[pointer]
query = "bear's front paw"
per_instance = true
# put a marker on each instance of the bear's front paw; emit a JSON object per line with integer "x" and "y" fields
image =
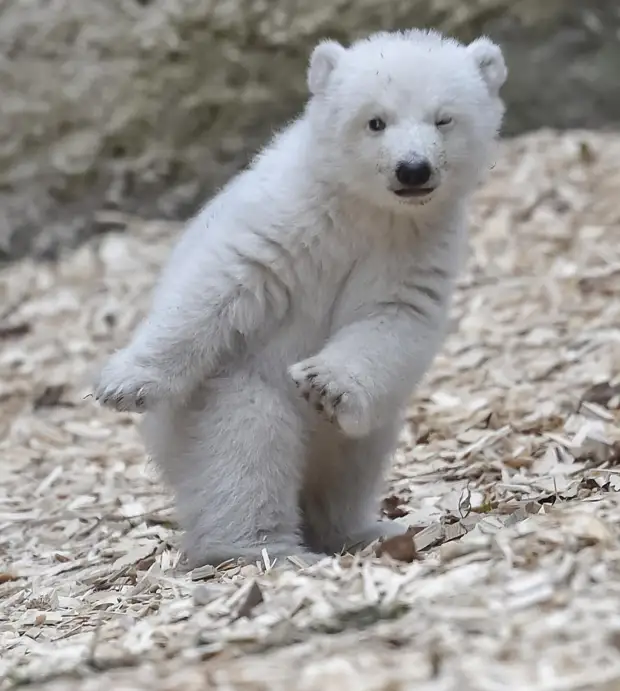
{"x": 334, "y": 394}
{"x": 128, "y": 386}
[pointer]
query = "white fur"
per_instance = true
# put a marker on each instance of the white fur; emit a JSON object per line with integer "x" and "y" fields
{"x": 306, "y": 300}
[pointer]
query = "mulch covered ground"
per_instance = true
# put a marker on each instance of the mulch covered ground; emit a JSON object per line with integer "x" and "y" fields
{"x": 508, "y": 473}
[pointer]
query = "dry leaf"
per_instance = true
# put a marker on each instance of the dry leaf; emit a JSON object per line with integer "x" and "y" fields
{"x": 7, "y": 576}
{"x": 391, "y": 507}
{"x": 400, "y": 548}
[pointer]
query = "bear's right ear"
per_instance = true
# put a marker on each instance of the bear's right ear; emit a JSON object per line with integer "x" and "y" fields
{"x": 322, "y": 62}
{"x": 490, "y": 61}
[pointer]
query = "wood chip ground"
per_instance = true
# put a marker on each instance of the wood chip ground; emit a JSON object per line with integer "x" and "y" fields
{"x": 508, "y": 474}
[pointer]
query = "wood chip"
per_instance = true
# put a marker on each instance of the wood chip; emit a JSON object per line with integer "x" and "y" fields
{"x": 253, "y": 598}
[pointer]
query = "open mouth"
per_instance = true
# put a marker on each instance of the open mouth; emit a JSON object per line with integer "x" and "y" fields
{"x": 414, "y": 191}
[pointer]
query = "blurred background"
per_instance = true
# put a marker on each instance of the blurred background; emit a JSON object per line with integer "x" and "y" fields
{"x": 145, "y": 106}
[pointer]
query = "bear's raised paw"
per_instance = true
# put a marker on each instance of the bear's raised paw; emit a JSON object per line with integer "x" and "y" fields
{"x": 334, "y": 394}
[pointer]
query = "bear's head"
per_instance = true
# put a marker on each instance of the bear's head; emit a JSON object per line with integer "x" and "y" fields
{"x": 404, "y": 119}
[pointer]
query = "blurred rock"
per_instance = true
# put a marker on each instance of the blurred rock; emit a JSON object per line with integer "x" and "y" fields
{"x": 148, "y": 105}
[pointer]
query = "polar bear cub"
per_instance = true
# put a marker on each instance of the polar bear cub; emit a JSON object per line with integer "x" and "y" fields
{"x": 306, "y": 300}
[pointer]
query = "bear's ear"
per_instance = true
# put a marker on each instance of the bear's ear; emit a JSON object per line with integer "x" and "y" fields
{"x": 322, "y": 61}
{"x": 490, "y": 61}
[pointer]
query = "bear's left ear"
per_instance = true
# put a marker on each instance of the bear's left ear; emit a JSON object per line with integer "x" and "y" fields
{"x": 490, "y": 61}
{"x": 322, "y": 62}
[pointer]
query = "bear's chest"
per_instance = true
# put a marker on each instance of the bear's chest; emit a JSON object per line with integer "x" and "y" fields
{"x": 357, "y": 259}
{"x": 349, "y": 278}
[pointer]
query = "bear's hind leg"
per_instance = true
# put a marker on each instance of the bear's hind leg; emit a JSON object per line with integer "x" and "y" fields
{"x": 233, "y": 456}
{"x": 342, "y": 489}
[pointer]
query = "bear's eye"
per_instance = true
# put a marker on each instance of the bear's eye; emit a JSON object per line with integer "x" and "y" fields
{"x": 376, "y": 125}
{"x": 443, "y": 121}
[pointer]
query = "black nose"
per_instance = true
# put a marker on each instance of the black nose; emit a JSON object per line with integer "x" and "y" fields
{"x": 414, "y": 173}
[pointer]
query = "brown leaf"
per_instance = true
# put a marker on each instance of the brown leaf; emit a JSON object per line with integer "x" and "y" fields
{"x": 391, "y": 507}
{"x": 518, "y": 462}
{"x": 400, "y": 548}
{"x": 7, "y": 576}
